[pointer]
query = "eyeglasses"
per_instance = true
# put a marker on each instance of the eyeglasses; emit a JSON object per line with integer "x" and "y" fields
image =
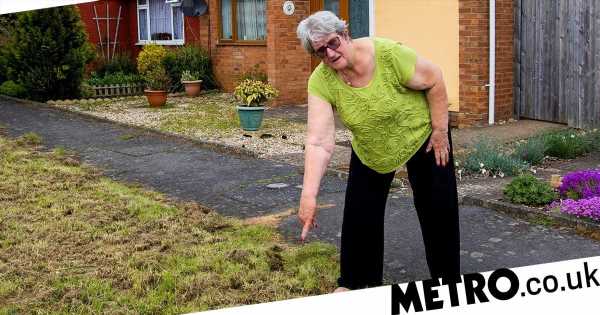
{"x": 332, "y": 44}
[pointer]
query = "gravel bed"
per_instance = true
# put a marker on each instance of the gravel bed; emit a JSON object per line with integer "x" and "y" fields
{"x": 283, "y": 138}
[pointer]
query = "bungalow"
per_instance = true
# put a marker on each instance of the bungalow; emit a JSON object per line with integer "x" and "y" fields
{"x": 239, "y": 34}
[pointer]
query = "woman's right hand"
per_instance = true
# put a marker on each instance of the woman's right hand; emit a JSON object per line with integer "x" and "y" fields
{"x": 307, "y": 214}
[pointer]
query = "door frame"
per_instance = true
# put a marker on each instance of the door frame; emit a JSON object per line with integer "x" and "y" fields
{"x": 317, "y": 5}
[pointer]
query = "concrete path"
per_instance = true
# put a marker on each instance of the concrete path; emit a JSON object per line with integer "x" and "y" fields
{"x": 242, "y": 187}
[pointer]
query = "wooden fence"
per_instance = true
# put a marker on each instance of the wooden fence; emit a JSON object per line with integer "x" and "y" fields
{"x": 118, "y": 90}
{"x": 557, "y": 61}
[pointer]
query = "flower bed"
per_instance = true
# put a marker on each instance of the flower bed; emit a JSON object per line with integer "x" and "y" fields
{"x": 581, "y": 190}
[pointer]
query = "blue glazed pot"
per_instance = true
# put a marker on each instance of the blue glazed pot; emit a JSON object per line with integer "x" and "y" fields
{"x": 251, "y": 117}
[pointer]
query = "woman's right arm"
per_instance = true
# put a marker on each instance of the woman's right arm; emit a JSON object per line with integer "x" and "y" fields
{"x": 319, "y": 145}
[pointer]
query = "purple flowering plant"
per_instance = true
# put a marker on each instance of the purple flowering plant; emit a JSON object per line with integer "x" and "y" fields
{"x": 582, "y": 192}
{"x": 589, "y": 207}
{"x": 581, "y": 185}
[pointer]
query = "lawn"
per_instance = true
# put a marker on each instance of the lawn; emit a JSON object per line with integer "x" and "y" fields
{"x": 73, "y": 241}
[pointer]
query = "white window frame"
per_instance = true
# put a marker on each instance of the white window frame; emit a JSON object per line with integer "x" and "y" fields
{"x": 159, "y": 42}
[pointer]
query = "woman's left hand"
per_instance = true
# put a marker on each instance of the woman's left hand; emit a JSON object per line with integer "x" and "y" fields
{"x": 440, "y": 145}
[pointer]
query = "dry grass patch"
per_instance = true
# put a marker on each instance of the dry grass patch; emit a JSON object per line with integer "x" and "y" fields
{"x": 72, "y": 241}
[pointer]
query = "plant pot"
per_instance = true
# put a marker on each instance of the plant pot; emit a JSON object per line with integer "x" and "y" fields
{"x": 251, "y": 117}
{"x": 192, "y": 88}
{"x": 156, "y": 98}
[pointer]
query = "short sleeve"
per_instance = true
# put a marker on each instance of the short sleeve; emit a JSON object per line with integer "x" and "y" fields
{"x": 404, "y": 60}
{"x": 318, "y": 86}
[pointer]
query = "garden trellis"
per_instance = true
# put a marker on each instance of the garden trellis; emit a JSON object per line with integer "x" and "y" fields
{"x": 101, "y": 38}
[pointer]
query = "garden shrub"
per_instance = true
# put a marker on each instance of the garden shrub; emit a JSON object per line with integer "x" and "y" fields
{"x": 11, "y": 88}
{"x": 565, "y": 144}
{"x": 86, "y": 90}
{"x": 47, "y": 53}
{"x": 150, "y": 57}
{"x": 487, "y": 157}
{"x": 7, "y": 24}
{"x": 120, "y": 63}
{"x": 151, "y": 67}
{"x": 528, "y": 190}
{"x": 192, "y": 58}
{"x": 592, "y": 139}
{"x": 118, "y": 78}
{"x": 531, "y": 150}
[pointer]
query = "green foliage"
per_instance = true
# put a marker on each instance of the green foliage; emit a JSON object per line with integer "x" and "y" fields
{"x": 486, "y": 157}
{"x": 30, "y": 138}
{"x": 120, "y": 63}
{"x": 528, "y": 190}
{"x": 592, "y": 139}
{"x": 157, "y": 79}
{"x": 255, "y": 74}
{"x": 565, "y": 144}
{"x": 47, "y": 53}
{"x": 255, "y": 93}
{"x": 531, "y": 150}
{"x": 11, "y": 88}
{"x": 191, "y": 58}
{"x": 151, "y": 68}
{"x": 118, "y": 78}
{"x": 7, "y": 25}
{"x": 189, "y": 76}
{"x": 86, "y": 90}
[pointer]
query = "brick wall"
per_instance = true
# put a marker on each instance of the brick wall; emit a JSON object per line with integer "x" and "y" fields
{"x": 474, "y": 62}
{"x": 281, "y": 57}
{"x": 288, "y": 64}
{"x": 231, "y": 61}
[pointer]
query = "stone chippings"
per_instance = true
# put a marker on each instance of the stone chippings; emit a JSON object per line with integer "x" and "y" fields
{"x": 275, "y": 144}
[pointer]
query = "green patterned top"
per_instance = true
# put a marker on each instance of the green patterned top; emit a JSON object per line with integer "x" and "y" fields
{"x": 389, "y": 122}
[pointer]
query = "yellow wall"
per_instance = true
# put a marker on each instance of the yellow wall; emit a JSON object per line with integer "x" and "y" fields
{"x": 428, "y": 26}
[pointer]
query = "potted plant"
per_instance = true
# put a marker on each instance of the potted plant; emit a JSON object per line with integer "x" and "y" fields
{"x": 157, "y": 84}
{"x": 192, "y": 83}
{"x": 253, "y": 94}
{"x": 151, "y": 68}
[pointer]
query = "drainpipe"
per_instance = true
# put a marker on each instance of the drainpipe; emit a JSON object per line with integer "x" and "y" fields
{"x": 371, "y": 18}
{"x": 492, "y": 62}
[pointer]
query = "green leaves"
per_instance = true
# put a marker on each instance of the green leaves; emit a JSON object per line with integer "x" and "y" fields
{"x": 528, "y": 190}
{"x": 254, "y": 92}
{"x": 47, "y": 52}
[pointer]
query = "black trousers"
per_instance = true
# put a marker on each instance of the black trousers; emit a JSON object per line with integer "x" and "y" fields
{"x": 436, "y": 202}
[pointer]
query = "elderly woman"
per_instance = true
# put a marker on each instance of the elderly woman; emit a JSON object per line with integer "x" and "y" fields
{"x": 395, "y": 104}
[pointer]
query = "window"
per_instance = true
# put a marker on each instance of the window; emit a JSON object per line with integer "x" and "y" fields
{"x": 243, "y": 21}
{"x": 160, "y": 21}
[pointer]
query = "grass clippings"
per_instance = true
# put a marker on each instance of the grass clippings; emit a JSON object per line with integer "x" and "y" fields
{"x": 74, "y": 242}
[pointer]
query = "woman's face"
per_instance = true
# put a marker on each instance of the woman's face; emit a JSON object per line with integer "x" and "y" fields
{"x": 335, "y": 50}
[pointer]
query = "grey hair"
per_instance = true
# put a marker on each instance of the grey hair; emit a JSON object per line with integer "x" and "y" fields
{"x": 317, "y": 26}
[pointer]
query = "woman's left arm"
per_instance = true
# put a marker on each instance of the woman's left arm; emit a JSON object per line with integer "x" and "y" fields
{"x": 428, "y": 77}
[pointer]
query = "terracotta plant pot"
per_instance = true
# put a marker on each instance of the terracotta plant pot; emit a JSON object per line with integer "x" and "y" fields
{"x": 192, "y": 88}
{"x": 156, "y": 98}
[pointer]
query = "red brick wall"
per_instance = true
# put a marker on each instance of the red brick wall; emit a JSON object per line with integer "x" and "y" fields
{"x": 474, "y": 61}
{"x": 230, "y": 61}
{"x": 281, "y": 57}
{"x": 288, "y": 64}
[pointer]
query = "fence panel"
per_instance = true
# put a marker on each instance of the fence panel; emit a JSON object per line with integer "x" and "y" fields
{"x": 557, "y": 61}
